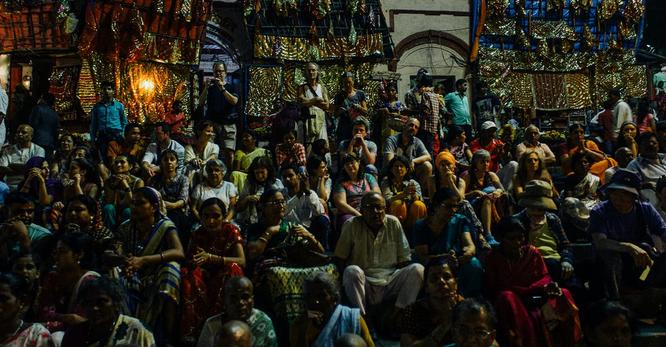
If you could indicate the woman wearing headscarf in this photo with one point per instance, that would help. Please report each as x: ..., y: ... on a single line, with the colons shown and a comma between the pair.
x: 38, y: 183
x: 151, y: 273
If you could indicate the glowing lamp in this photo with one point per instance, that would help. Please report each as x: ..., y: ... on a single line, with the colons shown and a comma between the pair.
x: 147, y: 86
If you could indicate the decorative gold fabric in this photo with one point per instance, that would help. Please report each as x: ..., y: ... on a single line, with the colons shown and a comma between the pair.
x: 553, y: 30
x: 500, y: 27
x: 299, y: 49
x: 265, y: 90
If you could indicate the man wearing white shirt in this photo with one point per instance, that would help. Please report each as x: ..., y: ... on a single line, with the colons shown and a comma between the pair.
x: 621, y: 111
x: 14, y: 157
x: 150, y: 162
x: 4, y: 104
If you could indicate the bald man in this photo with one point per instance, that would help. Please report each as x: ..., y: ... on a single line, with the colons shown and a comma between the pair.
x: 235, y: 333
x: 239, y: 305
x: 375, y: 255
x: 14, y: 157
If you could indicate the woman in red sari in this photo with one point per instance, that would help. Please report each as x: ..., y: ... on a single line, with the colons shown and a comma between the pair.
x: 215, y: 254
x: 532, y: 310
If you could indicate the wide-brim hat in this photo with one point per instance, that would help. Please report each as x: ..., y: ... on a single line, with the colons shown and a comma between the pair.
x: 538, y: 194
x: 624, y: 179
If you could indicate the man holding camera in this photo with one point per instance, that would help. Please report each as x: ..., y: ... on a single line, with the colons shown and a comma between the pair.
x: 219, y: 100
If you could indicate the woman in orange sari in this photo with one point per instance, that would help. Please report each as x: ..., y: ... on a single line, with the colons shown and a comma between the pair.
x: 215, y: 254
x: 531, y: 309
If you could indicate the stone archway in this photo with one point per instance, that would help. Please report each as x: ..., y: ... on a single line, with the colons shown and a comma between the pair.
x: 428, y: 37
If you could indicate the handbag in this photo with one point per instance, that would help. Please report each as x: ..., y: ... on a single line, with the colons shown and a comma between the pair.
x: 305, y: 110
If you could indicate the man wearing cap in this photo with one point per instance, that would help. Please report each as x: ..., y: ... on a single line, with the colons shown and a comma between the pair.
x: 531, y: 142
x: 622, y: 230
x: 358, y: 145
x: 545, y: 228
x: 488, y: 142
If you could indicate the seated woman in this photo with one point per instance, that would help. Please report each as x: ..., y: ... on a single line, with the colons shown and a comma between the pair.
x: 459, y: 148
x: 18, y: 333
x: 609, y: 324
x: 531, y: 166
x: 532, y: 310
x: 628, y: 137
x: 82, y: 214
x: 428, y: 320
x: 74, y: 259
x: 326, y: 319
x: 274, y: 231
x: 581, y: 184
x: 485, y: 192
x: 576, y: 142
x: 402, y: 193
x: 473, y: 324
x: 214, y: 186
x: 38, y: 182
x: 304, y: 206
x: 81, y: 178
x: 61, y: 156
x: 261, y: 177
x: 203, y: 150
x: 351, y: 187
x: 103, y: 300
x: 215, y: 254
x: 118, y: 192
x: 151, y: 273
x: 174, y: 188
x: 319, y: 178
x: 245, y: 156
x: 446, y: 177
x: 545, y: 229
x: 445, y: 232
x: 248, y: 152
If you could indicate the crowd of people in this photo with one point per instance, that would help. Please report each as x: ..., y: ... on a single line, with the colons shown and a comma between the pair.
x: 446, y: 221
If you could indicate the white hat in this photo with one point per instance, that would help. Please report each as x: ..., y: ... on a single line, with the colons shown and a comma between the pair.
x: 488, y: 125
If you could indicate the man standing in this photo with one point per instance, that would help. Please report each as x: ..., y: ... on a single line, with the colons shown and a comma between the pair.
x: 313, y: 96
x: 220, y: 107
x: 163, y: 140
x: 621, y: 111
x: 14, y: 157
x: 457, y: 103
x: 4, y: 104
x: 107, y: 118
x: 375, y: 256
x: 46, y: 123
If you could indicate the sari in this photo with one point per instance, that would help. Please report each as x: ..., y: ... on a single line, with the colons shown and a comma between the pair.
x: 35, y: 335
x: 343, y: 320
x: 153, y: 282
x: 515, y: 287
x: 126, y: 331
x: 203, y: 286
x: 54, y: 301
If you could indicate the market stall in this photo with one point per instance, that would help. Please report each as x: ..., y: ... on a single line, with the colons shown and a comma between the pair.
x: 554, y: 60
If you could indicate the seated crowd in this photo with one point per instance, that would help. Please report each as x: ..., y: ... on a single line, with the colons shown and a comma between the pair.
x: 424, y: 236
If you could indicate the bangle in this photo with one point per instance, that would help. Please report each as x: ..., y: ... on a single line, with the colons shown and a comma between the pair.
x: 161, y: 257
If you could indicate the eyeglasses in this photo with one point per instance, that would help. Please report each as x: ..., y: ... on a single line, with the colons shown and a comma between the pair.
x: 276, y: 203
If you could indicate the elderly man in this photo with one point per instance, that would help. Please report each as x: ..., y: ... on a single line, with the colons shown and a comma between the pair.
x: 407, y: 144
x: 531, y: 142
x: 377, y: 257
x: 163, y: 139
x: 313, y: 96
x: 622, y: 230
x: 239, y: 305
x: 14, y: 157
x: 650, y: 165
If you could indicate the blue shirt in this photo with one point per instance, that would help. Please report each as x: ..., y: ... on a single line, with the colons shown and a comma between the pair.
x: 632, y: 227
x: 107, y: 116
x: 457, y: 104
x: 449, y: 239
